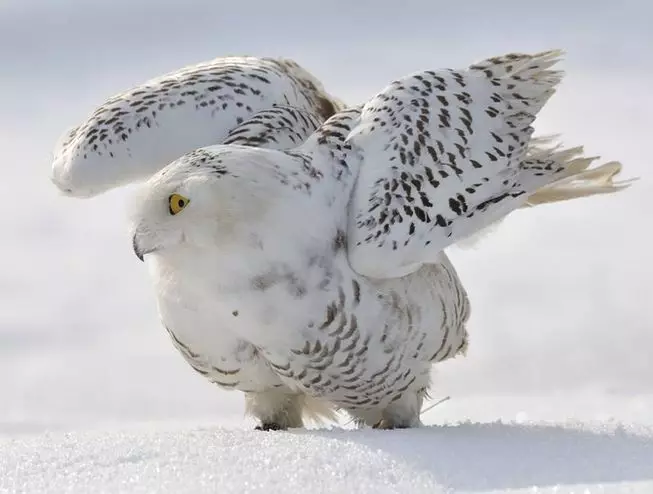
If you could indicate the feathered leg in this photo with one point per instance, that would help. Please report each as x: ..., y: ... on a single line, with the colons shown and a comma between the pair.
x: 281, y: 409
x: 402, y: 413
x: 275, y: 409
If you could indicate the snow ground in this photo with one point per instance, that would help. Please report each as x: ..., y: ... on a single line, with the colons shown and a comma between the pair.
x: 555, y: 392
x: 464, y: 458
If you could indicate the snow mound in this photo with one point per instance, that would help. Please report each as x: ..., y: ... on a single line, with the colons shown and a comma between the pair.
x: 468, y: 457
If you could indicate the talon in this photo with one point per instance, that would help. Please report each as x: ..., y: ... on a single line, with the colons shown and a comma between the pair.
x: 268, y: 427
x: 385, y: 425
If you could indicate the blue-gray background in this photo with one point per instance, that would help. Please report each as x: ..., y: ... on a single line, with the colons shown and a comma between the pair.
x: 561, y: 295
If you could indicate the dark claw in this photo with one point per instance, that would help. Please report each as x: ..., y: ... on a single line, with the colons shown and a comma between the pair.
x: 383, y: 425
x: 268, y: 427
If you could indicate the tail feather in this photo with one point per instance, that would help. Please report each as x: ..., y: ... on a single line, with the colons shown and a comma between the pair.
x: 538, y: 142
x: 576, y: 181
x: 582, y: 183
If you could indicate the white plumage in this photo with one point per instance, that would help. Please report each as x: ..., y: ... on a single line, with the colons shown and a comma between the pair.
x: 319, y: 271
x: 136, y: 133
x: 459, y: 159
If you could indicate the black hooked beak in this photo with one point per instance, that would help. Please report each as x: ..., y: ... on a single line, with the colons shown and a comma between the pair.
x: 137, y: 249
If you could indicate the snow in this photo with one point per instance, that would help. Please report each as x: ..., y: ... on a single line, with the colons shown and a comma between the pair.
x: 184, y: 459
x: 555, y: 394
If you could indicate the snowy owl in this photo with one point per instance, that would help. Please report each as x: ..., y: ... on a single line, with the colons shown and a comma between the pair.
x: 134, y: 134
x: 320, y: 271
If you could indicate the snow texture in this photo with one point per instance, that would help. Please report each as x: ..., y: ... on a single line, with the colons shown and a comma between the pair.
x: 94, y: 398
x: 465, y: 458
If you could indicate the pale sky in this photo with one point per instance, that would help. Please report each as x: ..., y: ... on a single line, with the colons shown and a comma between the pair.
x: 561, y: 295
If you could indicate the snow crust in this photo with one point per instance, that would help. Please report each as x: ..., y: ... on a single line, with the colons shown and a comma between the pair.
x: 462, y: 458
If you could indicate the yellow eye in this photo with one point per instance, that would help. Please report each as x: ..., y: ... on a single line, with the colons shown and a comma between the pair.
x: 176, y: 203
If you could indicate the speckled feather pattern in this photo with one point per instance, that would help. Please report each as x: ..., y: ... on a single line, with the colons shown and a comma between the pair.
x: 281, y: 127
x: 137, y: 132
x: 321, y: 270
x: 371, y: 346
x: 454, y: 142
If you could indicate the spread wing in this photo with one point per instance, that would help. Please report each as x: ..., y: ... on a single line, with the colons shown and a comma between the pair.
x: 281, y: 127
x: 137, y: 132
x: 443, y: 154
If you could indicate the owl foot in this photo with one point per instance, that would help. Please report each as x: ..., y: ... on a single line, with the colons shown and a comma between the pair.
x: 403, y: 413
x: 275, y: 409
x: 384, y: 424
x: 269, y: 427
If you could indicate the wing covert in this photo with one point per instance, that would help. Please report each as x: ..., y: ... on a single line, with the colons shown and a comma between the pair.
x: 442, y: 154
x: 280, y: 127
